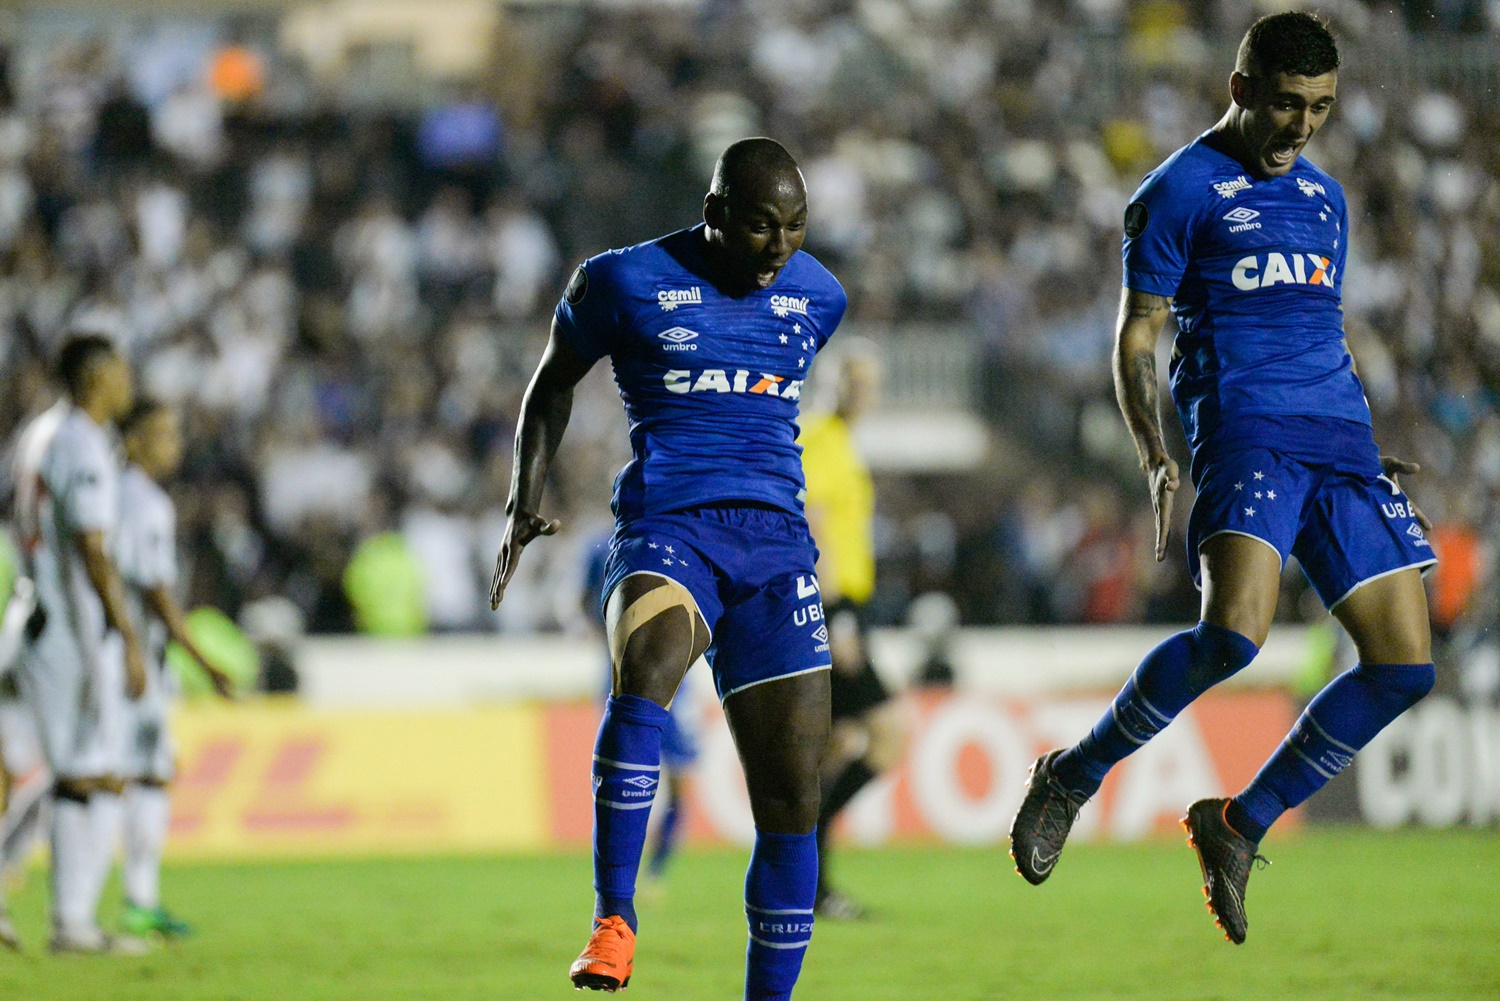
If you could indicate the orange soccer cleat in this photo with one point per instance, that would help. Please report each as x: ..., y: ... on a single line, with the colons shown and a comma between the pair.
x: 608, y: 960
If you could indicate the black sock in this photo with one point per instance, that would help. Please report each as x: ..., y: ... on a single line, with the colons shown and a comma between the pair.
x: 836, y: 795
x: 855, y: 776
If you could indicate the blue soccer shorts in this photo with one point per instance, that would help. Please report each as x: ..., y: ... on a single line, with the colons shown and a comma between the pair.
x: 750, y: 570
x: 1345, y: 528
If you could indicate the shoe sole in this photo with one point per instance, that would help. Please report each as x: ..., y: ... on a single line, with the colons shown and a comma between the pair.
x: 599, y: 982
x: 1208, y: 900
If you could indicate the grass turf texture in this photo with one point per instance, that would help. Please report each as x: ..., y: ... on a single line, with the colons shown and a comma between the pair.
x: 1340, y: 915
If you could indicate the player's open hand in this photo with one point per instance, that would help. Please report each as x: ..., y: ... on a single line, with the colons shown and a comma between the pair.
x: 1162, y: 475
x: 223, y: 683
x: 135, y: 670
x: 520, y: 529
x: 1395, y: 467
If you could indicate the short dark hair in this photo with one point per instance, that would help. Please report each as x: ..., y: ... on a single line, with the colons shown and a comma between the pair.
x: 144, y: 409
x: 750, y: 164
x: 1292, y: 42
x: 79, y: 354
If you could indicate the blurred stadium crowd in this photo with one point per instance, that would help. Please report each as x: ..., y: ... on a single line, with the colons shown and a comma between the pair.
x: 347, y: 300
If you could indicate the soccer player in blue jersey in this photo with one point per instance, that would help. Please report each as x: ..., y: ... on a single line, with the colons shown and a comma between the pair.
x: 710, y: 331
x: 1245, y: 241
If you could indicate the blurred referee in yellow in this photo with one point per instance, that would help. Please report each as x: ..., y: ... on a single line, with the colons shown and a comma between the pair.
x: 868, y: 733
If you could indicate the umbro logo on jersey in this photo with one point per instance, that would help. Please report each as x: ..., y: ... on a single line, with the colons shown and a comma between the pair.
x: 1418, y: 539
x: 678, y: 338
x: 1242, y: 219
x: 1282, y: 269
x: 821, y: 634
x: 670, y: 298
x: 1228, y: 189
x: 1311, y: 188
x: 781, y: 305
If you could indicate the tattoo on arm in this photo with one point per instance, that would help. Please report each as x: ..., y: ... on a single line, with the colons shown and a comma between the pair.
x: 1141, y: 319
x: 1143, y: 370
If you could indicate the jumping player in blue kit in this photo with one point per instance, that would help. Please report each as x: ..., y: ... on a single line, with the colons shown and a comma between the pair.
x: 1246, y: 242
x: 711, y: 331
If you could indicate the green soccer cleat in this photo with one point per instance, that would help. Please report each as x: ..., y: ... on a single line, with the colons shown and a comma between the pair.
x: 154, y: 921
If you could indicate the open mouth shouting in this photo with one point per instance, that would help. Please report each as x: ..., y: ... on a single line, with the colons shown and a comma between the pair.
x: 1282, y: 152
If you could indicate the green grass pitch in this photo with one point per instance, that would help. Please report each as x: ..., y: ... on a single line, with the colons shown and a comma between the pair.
x: 1340, y: 915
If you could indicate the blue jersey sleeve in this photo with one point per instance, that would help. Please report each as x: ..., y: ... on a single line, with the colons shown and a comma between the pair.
x: 590, y: 314
x: 1159, y: 224
x: 1341, y: 253
x: 833, y: 313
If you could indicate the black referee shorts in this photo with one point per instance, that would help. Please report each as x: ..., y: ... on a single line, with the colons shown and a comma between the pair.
x: 855, y: 692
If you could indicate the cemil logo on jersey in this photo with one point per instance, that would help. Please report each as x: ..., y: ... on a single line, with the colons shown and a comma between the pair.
x: 781, y: 305
x: 1282, y: 269
x: 1228, y: 189
x: 670, y: 298
x: 1242, y: 219
x: 677, y: 339
x: 718, y: 380
x: 1311, y: 189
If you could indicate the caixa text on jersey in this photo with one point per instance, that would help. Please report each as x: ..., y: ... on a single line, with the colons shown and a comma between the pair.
x: 718, y: 380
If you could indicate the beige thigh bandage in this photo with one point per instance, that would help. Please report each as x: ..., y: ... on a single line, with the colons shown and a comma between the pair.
x: 624, y: 621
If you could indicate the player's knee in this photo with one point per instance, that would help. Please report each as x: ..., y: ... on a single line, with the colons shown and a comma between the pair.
x: 1218, y: 653
x: 1406, y: 683
x: 651, y: 633
x: 789, y: 806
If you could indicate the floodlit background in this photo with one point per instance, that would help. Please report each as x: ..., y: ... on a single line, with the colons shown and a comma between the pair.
x: 333, y: 234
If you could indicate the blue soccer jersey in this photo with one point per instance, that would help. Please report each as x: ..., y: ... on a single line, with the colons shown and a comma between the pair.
x: 1254, y: 267
x: 711, y: 382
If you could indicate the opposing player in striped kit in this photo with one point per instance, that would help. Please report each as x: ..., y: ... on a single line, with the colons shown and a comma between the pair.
x: 146, y: 553
x: 80, y: 637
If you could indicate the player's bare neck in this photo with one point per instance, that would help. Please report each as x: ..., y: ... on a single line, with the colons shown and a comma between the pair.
x: 1228, y: 137
x: 720, y: 273
x: 97, y: 407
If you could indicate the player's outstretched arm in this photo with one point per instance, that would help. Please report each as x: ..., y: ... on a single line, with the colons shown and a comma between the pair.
x: 1142, y: 317
x: 106, y: 580
x: 165, y: 607
x: 544, y: 417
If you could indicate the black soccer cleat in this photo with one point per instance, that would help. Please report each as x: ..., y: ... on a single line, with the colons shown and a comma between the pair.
x: 1226, y: 858
x: 1041, y: 827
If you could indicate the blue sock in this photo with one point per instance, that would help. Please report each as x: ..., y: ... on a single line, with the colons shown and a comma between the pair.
x: 1181, y: 668
x: 666, y: 836
x: 1344, y: 717
x: 627, y: 770
x: 779, y: 893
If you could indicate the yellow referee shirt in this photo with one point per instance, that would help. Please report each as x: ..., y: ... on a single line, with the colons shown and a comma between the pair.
x: 840, y: 508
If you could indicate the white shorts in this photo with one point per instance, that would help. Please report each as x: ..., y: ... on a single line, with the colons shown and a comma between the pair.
x: 77, y: 702
x: 149, y: 752
x: 19, y: 741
